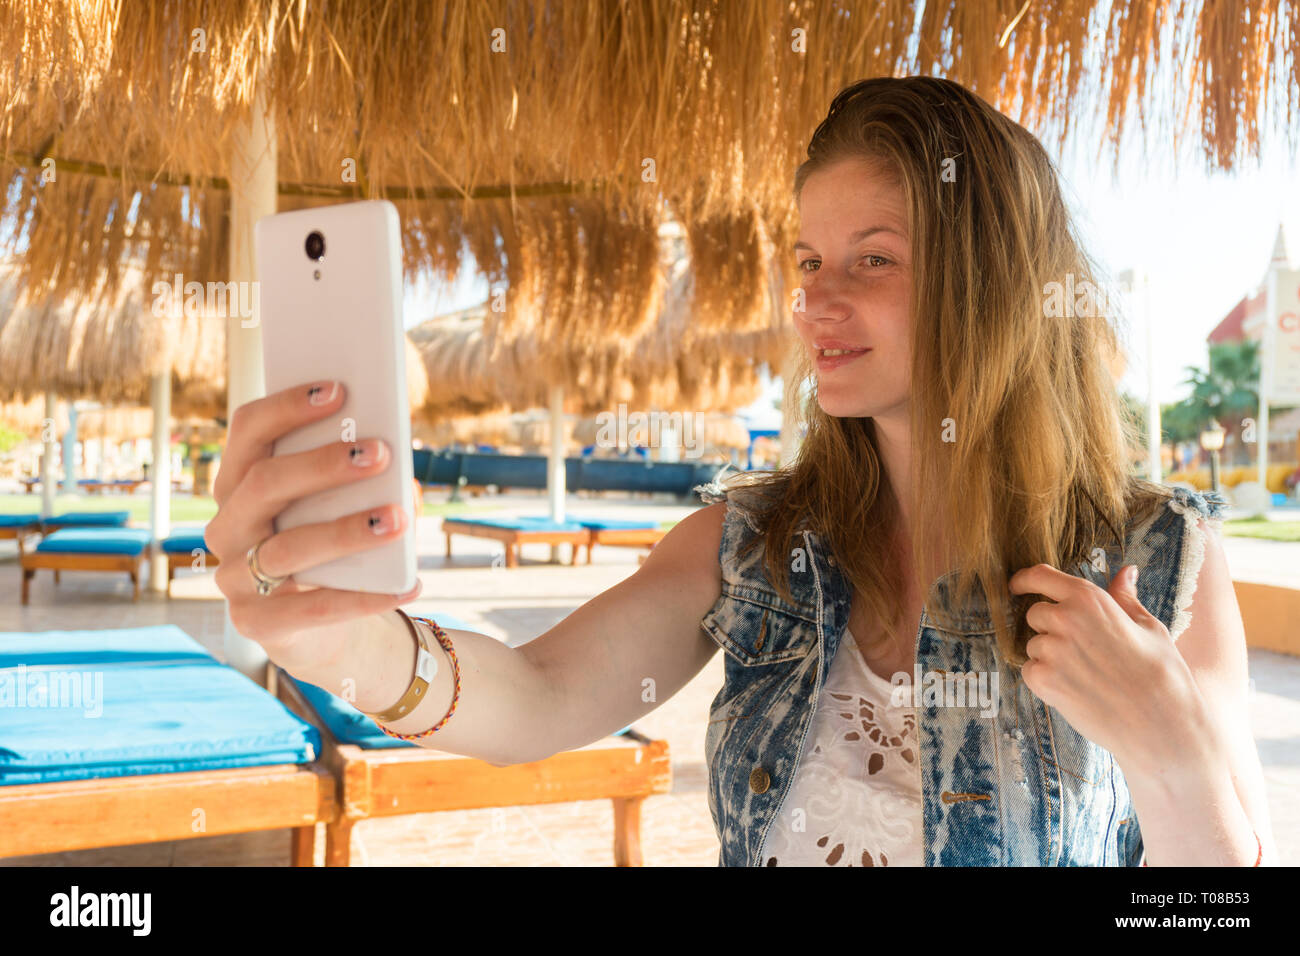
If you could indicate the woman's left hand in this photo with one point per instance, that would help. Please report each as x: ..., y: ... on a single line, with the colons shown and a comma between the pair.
x: 1111, y: 669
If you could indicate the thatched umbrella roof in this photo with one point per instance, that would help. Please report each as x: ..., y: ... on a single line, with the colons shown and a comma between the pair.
x: 107, y: 347
x: 675, y: 364
x: 548, y: 137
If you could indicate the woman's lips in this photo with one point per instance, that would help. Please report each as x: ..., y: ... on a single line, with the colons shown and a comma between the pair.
x: 827, y: 362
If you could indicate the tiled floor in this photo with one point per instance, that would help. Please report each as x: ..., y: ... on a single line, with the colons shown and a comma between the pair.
x: 516, y: 605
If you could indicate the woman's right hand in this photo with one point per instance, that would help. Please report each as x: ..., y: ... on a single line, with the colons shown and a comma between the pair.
x: 299, y: 628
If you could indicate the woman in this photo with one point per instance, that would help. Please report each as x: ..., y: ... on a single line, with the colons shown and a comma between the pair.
x: 964, y: 432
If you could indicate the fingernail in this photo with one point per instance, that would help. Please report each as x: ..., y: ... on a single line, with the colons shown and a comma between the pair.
x: 364, y: 454
x: 322, y: 394
x: 381, y: 522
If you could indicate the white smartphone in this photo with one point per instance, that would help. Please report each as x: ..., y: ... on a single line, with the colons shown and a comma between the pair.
x: 330, y: 282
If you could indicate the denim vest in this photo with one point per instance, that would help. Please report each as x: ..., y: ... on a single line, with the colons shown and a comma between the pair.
x: 1019, y: 787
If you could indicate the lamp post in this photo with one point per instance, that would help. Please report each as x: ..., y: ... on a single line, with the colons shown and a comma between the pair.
x: 1212, y: 441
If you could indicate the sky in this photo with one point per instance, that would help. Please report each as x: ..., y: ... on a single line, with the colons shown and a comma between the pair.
x: 1203, y: 238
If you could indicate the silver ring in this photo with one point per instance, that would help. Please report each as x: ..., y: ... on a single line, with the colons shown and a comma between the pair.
x: 264, y: 582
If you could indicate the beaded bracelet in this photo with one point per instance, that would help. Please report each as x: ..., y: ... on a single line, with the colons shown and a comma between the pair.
x: 455, y: 696
x: 1259, y: 857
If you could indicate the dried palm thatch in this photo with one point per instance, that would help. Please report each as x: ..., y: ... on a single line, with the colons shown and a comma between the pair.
x: 490, y: 121
x: 107, y: 347
x: 116, y: 423
x: 677, y: 363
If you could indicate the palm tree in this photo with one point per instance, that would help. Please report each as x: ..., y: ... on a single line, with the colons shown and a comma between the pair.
x: 1227, y: 392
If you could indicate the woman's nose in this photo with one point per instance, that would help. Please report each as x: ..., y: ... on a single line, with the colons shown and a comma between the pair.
x: 823, y: 302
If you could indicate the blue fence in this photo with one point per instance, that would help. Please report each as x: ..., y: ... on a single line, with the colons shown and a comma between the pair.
x: 456, y: 468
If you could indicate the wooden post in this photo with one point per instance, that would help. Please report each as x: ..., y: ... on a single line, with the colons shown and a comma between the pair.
x: 160, y: 493
x: 791, y: 401
x: 252, y: 196
x: 47, y: 458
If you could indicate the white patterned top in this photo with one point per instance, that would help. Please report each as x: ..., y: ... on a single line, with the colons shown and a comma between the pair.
x: 856, y: 796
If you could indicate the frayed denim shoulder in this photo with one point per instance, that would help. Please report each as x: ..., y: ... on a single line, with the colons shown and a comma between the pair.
x: 741, y: 501
x: 1171, y: 542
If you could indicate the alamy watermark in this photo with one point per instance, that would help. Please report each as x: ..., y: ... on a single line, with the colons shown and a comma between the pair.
x: 621, y: 428
x: 939, y: 688
x: 23, y: 686
x: 214, y: 299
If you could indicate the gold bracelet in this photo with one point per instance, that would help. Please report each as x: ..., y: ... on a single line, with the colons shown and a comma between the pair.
x: 425, y: 669
x: 445, y: 641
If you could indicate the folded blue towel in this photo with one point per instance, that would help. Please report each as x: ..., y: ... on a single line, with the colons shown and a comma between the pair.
x: 119, y: 716
x: 96, y: 541
x: 164, y: 642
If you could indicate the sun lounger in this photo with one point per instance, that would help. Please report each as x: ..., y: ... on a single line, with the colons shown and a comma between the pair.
x: 87, y: 519
x: 19, y: 527
x: 625, y: 534
x: 516, y: 532
x: 181, y: 547
x: 152, y: 739
x: 383, y: 777
x: 95, y: 486
x: 89, y: 549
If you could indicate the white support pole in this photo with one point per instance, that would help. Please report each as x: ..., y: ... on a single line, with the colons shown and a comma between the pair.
x: 1266, y: 370
x: 47, y: 457
x: 252, y: 196
x: 555, y: 474
x: 1154, y: 464
x: 70, y: 452
x: 160, y: 475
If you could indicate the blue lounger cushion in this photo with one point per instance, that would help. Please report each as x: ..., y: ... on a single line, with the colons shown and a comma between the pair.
x: 163, y: 642
x: 349, y: 725
x: 169, y: 716
x: 96, y: 541
x: 522, y: 524
x: 19, y: 521
x: 185, y: 541
x: 610, y: 524
x: 91, y: 519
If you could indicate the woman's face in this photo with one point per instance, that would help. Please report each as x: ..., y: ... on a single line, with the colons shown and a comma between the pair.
x: 854, y: 257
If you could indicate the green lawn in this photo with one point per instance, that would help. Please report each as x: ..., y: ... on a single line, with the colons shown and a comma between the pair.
x: 185, y: 508
x: 1263, y: 528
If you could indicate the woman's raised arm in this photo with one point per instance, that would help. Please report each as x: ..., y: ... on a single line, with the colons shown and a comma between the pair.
x: 608, y: 663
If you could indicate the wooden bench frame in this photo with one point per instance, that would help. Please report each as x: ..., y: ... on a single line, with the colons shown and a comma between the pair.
x: 33, y: 561
x: 152, y: 808
x: 182, y: 559
x: 406, y: 780
x: 623, y: 538
x: 21, y: 532
x: 514, y: 538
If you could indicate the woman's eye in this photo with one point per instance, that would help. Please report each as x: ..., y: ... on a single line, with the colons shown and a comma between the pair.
x: 883, y: 260
x: 803, y: 266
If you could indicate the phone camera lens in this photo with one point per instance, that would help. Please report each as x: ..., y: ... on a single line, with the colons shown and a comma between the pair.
x: 315, y: 246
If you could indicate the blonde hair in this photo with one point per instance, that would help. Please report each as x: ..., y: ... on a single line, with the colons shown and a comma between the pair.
x: 1036, y: 465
